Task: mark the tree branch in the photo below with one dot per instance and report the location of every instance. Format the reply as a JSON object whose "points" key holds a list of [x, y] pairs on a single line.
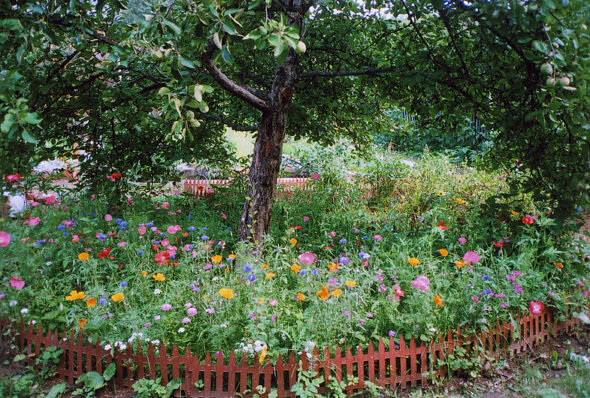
{"points": [[227, 84]]}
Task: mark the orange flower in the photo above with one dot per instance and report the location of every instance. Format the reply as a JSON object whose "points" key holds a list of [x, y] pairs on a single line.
{"points": [[459, 263], [444, 252], [91, 302], [350, 283], [83, 256], [336, 293], [118, 297], [413, 261], [558, 265], [295, 268], [300, 296], [438, 300], [226, 293], [293, 241], [323, 294], [159, 277], [82, 322], [270, 275], [216, 259], [333, 267]]}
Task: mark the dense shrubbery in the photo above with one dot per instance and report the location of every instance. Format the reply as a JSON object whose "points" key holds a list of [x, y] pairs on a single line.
{"points": [[374, 248]]}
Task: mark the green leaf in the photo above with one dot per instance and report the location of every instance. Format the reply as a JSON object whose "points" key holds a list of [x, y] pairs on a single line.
{"points": [[173, 26]]}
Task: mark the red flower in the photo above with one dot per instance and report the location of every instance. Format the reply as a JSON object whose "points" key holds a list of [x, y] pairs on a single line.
{"points": [[116, 176], [536, 307], [13, 177], [104, 252], [442, 226], [499, 244], [162, 257], [528, 220]]}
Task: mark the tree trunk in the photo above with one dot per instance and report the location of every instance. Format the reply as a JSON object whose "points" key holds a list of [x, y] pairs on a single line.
{"points": [[266, 160]]}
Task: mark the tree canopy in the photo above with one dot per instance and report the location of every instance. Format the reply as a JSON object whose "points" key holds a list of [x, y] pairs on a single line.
{"points": [[142, 83]]}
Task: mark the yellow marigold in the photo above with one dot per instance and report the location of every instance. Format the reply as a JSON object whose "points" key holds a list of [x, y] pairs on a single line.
{"points": [[444, 252], [270, 275], [91, 302], [413, 261], [159, 277], [300, 296], [336, 293], [295, 268], [83, 256], [333, 267], [144, 273], [350, 283], [293, 241], [82, 323], [438, 300], [75, 295], [226, 293], [118, 297], [216, 259], [459, 263], [323, 294]]}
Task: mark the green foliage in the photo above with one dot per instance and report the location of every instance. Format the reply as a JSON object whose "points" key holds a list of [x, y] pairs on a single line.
{"points": [[146, 388]]}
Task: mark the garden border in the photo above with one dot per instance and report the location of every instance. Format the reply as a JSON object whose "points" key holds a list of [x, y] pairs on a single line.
{"points": [[403, 365]]}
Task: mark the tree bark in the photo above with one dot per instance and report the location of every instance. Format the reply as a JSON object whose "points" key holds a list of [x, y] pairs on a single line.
{"points": [[266, 160]]}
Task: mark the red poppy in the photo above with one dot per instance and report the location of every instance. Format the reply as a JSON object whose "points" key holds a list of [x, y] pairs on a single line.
{"points": [[104, 252], [528, 220], [441, 225], [13, 177], [162, 257], [116, 176]]}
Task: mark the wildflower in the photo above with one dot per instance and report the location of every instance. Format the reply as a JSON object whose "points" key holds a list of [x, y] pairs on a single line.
{"points": [[337, 293], [117, 297], [536, 307], [17, 283], [307, 258], [4, 239], [293, 241], [226, 293], [443, 252], [528, 220], [300, 296], [295, 268], [421, 283], [441, 225], [91, 302], [350, 284], [159, 277], [471, 257], [413, 261], [75, 295], [83, 256], [323, 294], [216, 259]]}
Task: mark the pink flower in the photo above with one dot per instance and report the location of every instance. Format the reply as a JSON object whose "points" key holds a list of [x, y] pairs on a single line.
{"points": [[536, 307], [307, 258], [4, 239], [108, 217], [315, 176], [471, 257], [34, 221], [421, 283], [17, 283], [50, 200]]}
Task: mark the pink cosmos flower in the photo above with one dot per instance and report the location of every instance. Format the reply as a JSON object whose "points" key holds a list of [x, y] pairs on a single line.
{"points": [[108, 217], [471, 257], [17, 283], [421, 283], [50, 200], [536, 307], [4, 239], [307, 258]]}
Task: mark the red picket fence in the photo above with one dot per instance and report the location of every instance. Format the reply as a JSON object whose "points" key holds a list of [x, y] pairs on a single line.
{"points": [[389, 365], [202, 188]]}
